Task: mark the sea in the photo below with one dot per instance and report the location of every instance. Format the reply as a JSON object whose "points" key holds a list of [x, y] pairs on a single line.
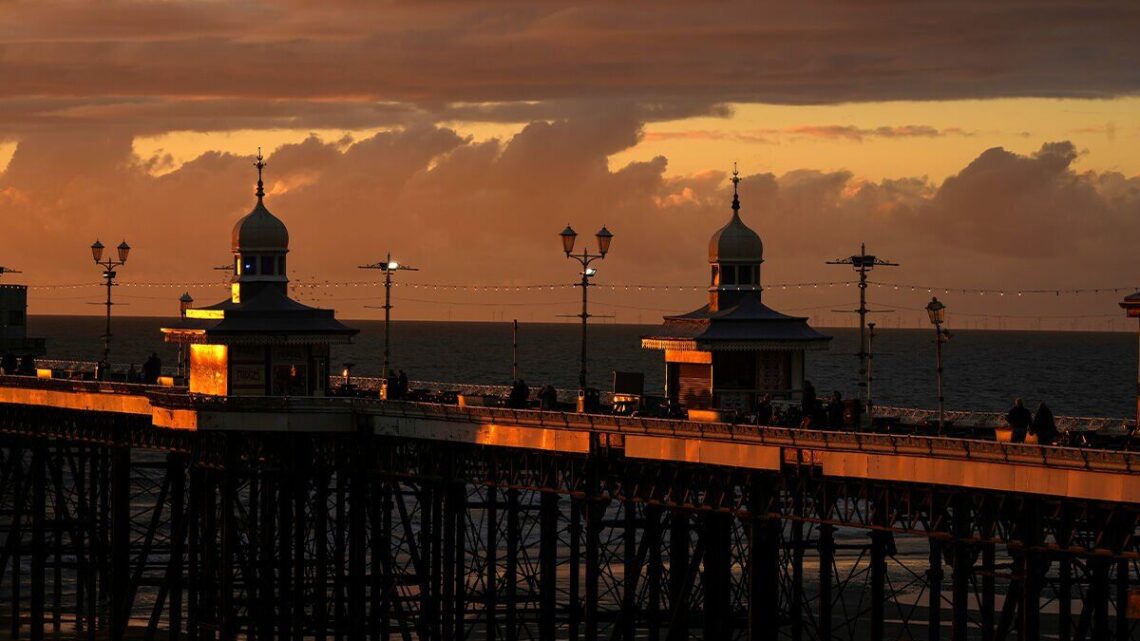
{"points": [[1075, 373]]}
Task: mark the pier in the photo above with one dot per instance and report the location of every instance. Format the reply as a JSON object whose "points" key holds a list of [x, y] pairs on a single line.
{"points": [[133, 510]]}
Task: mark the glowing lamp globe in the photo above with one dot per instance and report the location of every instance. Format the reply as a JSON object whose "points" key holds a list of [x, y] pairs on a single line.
{"points": [[604, 238], [936, 310], [568, 237]]}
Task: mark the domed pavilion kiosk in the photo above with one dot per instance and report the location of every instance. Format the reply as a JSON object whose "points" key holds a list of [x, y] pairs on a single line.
{"points": [[734, 350], [259, 342]]}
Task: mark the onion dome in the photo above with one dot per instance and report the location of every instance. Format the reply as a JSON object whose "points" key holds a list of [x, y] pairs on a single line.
{"points": [[260, 230], [735, 242]]}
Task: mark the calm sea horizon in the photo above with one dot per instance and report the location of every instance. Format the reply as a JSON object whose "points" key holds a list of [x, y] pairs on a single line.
{"points": [[1076, 373]]}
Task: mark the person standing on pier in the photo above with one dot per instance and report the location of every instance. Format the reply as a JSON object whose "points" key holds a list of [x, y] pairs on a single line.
{"points": [[1044, 427], [401, 385], [764, 410], [548, 397], [1019, 420], [807, 403], [835, 411]]}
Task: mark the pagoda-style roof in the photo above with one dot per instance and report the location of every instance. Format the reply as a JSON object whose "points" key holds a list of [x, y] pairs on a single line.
{"points": [[1131, 305], [747, 325], [270, 317]]}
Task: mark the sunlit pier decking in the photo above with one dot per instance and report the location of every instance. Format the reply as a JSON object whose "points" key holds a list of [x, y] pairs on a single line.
{"points": [[1090, 473]]}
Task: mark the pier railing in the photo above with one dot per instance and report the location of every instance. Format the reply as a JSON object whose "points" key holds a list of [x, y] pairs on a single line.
{"points": [[983, 420], [74, 372], [807, 439]]}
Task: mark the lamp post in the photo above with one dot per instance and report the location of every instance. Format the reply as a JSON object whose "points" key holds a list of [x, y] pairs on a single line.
{"points": [[863, 263], [109, 266], [185, 302], [937, 313], [388, 266], [870, 372], [604, 238]]}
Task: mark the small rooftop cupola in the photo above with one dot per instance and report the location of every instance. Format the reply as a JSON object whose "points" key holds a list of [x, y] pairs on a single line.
{"points": [[260, 241], [735, 255]]}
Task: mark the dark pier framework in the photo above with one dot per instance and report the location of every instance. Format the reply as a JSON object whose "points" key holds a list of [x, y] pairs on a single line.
{"points": [[111, 528]]}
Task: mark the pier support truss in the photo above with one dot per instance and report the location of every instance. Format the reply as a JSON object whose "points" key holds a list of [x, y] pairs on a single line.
{"points": [[110, 528]]}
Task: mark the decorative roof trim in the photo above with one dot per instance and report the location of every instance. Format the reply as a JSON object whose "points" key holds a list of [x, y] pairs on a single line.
{"points": [[279, 339], [690, 345], [207, 314], [182, 335], [681, 344]]}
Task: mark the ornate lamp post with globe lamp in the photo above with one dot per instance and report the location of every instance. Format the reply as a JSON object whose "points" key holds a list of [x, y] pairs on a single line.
{"points": [[937, 313], [604, 238], [109, 274]]}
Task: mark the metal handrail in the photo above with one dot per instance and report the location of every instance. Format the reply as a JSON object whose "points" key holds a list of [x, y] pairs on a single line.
{"points": [[867, 442], [935, 446]]}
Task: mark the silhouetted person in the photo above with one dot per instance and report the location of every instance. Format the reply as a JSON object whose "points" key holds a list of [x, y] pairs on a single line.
{"points": [[401, 385], [8, 363], [1019, 419], [764, 410], [132, 374], [28, 365], [548, 397], [807, 403], [391, 384], [152, 369], [835, 411], [1044, 426], [519, 396]]}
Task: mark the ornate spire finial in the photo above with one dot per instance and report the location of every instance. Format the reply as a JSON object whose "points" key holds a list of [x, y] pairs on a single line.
{"points": [[735, 194], [260, 164]]}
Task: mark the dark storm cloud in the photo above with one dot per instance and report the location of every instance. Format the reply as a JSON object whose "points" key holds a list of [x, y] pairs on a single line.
{"points": [[350, 62]]}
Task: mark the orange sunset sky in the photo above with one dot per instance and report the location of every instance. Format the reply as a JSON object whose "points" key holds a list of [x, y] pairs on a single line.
{"points": [[989, 145]]}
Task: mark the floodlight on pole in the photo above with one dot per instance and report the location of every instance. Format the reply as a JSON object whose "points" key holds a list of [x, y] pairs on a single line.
{"points": [[388, 266]]}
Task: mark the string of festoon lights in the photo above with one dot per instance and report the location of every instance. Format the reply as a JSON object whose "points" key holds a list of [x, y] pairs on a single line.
{"points": [[650, 287], [1001, 292], [318, 284]]}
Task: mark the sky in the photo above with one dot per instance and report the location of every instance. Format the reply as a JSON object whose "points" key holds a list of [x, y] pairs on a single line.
{"points": [[981, 145]]}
